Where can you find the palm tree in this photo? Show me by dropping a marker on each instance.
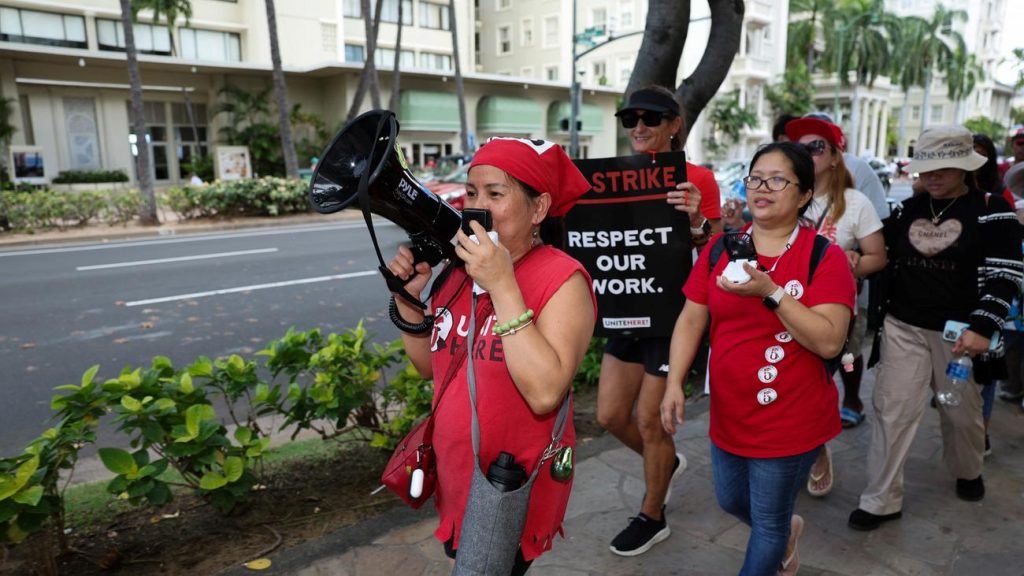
(171, 9)
(368, 79)
(962, 75)
(908, 70)
(7, 131)
(937, 49)
(147, 213)
(396, 73)
(862, 49)
(460, 91)
(806, 17)
(291, 163)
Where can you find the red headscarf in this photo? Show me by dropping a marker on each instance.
(543, 165)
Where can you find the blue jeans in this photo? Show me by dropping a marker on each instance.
(761, 492)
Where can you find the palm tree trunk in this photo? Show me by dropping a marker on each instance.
(853, 140)
(460, 91)
(291, 163)
(373, 80)
(924, 99)
(369, 66)
(902, 139)
(396, 73)
(810, 43)
(147, 213)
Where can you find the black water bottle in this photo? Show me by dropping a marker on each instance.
(504, 474)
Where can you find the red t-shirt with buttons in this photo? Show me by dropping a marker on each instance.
(753, 356)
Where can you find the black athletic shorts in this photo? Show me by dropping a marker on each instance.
(651, 352)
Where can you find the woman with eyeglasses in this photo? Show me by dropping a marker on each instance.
(773, 402)
(846, 217)
(633, 369)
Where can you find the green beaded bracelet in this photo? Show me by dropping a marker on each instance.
(514, 325)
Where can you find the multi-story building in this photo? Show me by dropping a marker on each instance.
(63, 66)
(880, 105)
(531, 39)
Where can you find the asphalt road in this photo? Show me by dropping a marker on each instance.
(64, 308)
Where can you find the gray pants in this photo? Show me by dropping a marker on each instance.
(912, 361)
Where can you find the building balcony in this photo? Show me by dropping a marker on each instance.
(759, 11)
(751, 66)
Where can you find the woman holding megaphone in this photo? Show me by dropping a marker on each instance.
(533, 317)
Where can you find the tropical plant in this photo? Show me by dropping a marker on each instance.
(907, 72)
(7, 131)
(248, 124)
(169, 9)
(460, 90)
(291, 163)
(794, 94)
(939, 45)
(665, 36)
(987, 126)
(805, 28)
(962, 75)
(1017, 115)
(148, 214)
(728, 119)
(860, 46)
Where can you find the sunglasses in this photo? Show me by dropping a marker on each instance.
(650, 119)
(816, 148)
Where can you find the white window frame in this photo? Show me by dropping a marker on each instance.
(526, 27)
(550, 24)
(500, 44)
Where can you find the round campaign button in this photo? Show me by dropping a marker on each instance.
(774, 354)
(767, 374)
(795, 289)
(766, 396)
(784, 337)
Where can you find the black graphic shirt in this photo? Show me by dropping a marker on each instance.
(965, 267)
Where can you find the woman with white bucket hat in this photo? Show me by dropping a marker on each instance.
(954, 255)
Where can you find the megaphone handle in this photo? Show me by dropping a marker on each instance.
(397, 285)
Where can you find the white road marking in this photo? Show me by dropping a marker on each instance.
(251, 288)
(177, 259)
(379, 223)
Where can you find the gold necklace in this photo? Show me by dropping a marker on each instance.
(936, 217)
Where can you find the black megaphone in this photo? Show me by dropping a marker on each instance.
(367, 149)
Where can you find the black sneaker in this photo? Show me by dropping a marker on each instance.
(864, 520)
(970, 490)
(642, 533)
(988, 447)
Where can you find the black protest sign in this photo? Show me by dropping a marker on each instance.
(635, 245)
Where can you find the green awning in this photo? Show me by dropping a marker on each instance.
(591, 117)
(428, 111)
(509, 114)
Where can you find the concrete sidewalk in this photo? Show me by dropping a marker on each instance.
(938, 534)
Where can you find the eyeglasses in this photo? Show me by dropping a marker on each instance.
(650, 119)
(816, 148)
(773, 184)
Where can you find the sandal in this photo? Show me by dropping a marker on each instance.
(815, 479)
(791, 564)
(850, 418)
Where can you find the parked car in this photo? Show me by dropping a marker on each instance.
(883, 170)
(451, 188)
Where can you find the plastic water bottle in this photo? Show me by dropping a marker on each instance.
(958, 371)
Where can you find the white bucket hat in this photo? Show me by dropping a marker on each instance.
(945, 147)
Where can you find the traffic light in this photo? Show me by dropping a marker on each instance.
(564, 125)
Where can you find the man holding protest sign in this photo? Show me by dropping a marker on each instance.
(639, 255)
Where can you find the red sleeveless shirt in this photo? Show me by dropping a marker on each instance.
(506, 422)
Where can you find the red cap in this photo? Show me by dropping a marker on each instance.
(797, 129)
(543, 165)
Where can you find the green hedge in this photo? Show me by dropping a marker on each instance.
(270, 196)
(90, 176)
(334, 385)
(43, 209)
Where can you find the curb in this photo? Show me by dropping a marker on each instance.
(169, 227)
